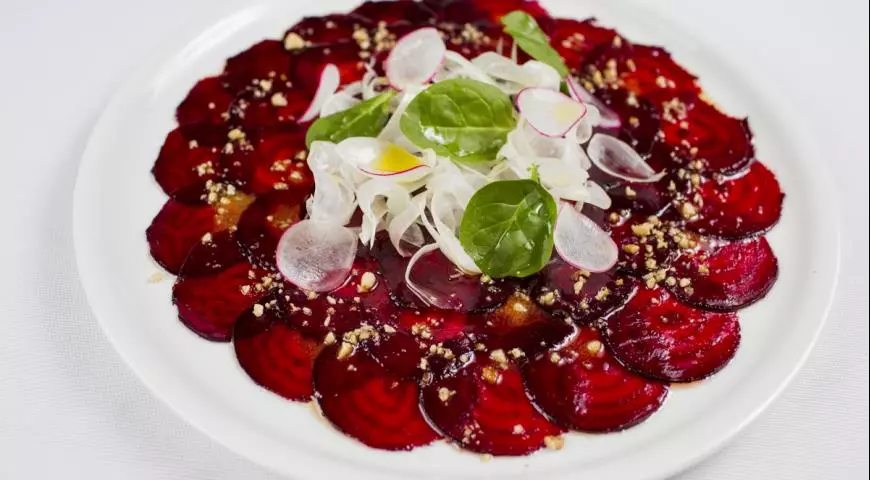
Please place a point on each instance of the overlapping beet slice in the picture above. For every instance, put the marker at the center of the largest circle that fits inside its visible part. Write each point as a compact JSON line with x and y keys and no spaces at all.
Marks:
{"x":213,"y":253}
{"x":582,"y":387}
{"x":521,"y":326}
{"x":578,"y":295}
{"x":188,"y":159}
{"x":274,"y":355}
{"x":176,"y":229}
{"x":349,"y":57}
{"x":484,"y":408}
{"x":741,"y":207}
{"x":575,"y":39}
{"x":207,"y":102}
{"x":646,"y":244}
{"x":328,"y":29}
{"x":493,"y":10}
{"x":395,"y":12}
{"x":265,"y":61}
{"x":726,"y":277}
{"x":367,"y":402}
{"x":646,"y":71}
{"x":661,"y":338}
{"x":273,"y":103}
{"x":210,"y":305}
{"x":263,"y":223}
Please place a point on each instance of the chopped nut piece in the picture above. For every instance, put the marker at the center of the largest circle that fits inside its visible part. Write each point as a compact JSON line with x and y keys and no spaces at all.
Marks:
{"x":650,"y":263}
{"x":631,"y":248}
{"x":602,"y":294}
{"x":293,"y":41}
{"x":156,"y":277}
{"x":491,"y":375}
{"x":258,"y":310}
{"x":445,"y":393}
{"x":515,"y":353}
{"x":329,"y":339}
{"x":688,"y":211}
{"x":547,"y":299}
{"x":629,"y":192}
{"x":389,"y":329}
{"x":671,"y":281}
{"x":642,"y":230}
{"x":498,"y":356}
{"x":594,"y":347}
{"x":344,"y":351}
{"x":553,"y":442}
{"x":279,"y":100}
{"x":703,"y":268}
{"x":685,"y":282}
{"x":367,"y":282}
{"x":578,"y":285}
{"x":207,"y":238}
{"x":519,"y":430}
{"x":555,"y":357}
{"x":235,"y":134}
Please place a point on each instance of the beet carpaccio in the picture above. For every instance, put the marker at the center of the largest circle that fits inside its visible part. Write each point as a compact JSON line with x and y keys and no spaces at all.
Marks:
{"x":517,"y":363}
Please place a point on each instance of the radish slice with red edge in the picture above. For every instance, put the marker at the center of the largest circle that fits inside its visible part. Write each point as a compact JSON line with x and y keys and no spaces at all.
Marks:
{"x":428,"y":297}
{"x":415,"y":59}
{"x":316,"y":255}
{"x":617,"y":159}
{"x":582,"y":243}
{"x":553,"y":114}
{"x":330,"y":80}
{"x":607,"y":118}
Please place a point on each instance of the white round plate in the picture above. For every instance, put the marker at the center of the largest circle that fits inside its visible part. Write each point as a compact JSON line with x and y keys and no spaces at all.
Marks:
{"x":116,"y":198}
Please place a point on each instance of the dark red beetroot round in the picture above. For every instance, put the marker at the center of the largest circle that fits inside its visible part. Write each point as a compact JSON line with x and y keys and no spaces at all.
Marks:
{"x":206,"y":102}
{"x":215,"y":253}
{"x":279,"y":163}
{"x":266,"y":60}
{"x":580,"y":296}
{"x":329,"y":28}
{"x":741,"y":207}
{"x":309,"y":63}
{"x":272,"y":354}
{"x":645,"y":245}
{"x":472,"y":39}
{"x":521,"y":324}
{"x":575,"y":39}
{"x":492,"y":10}
{"x":185,"y":164}
{"x":176,"y":230}
{"x":433,"y":326}
{"x":279,"y":105}
{"x":263,"y":223}
{"x":395,"y":12}
{"x":582,"y":387}
{"x":722,"y":144}
{"x":645,"y":71}
{"x":367,"y":402}
{"x":397,"y":351}
{"x":211,"y":305}
{"x":640,"y":119}
{"x":484,"y":408}
{"x":658,"y":337}
{"x":727,"y":277}
{"x":650,"y":198}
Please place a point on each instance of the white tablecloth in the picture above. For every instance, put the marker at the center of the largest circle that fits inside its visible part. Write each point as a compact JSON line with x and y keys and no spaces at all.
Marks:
{"x":70,"y":409}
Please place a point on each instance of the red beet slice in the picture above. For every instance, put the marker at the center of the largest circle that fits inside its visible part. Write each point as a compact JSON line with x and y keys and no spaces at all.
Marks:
{"x":278,"y":163}
{"x":642,"y":198}
{"x":484,"y":408}
{"x":308,"y":64}
{"x":215,"y":253}
{"x":575,"y":40}
{"x":368,"y":403}
{"x":643,"y":70}
{"x":263,"y":223}
{"x":398,"y":352}
{"x":433,"y":326}
{"x":266,"y":60}
{"x":210,"y":305}
{"x":492,"y":10}
{"x":176,"y":230}
{"x":273,"y":355}
{"x":584,"y":298}
{"x":645,"y":245}
{"x":720,"y":143}
{"x":741,"y":207}
{"x":660,"y":338}
{"x":726,"y":277}
{"x":394,"y":12}
{"x":206,"y":102}
{"x":329,"y":28}
{"x":521,"y":324}
{"x":640,"y":119}
{"x":187,"y":161}
{"x":582,"y":387}
{"x":272,"y":104}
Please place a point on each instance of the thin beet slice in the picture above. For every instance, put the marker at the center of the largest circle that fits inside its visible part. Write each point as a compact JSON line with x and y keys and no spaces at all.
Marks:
{"x":395,"y":12}
{"x":521,"y":328}
{"x":575,"y":40}
{"x":175,"y":230}
{"x":349,"y":57}
{"x":484,"y":409}
{"x":368,"y":403}
{"x":582,"y":387}
{"x":277,"y":163}
{"x":643,"y":70}
{"x":265,"y":61}
{"x":727,"y":277}
{"x":649,"y":198}
{"x":646,"y":245}
{"x":433,"y":326}
{"x":207,"y":102}
{"x":214,"y":253}
{"x":328,"y":29}
{"x":492,"y":10}
{"x":660,"y":338}
{"x":581,"y":296}
{"x":273,"y":103}
{"x":210,"y":306}
{"x":740,"y":207}
{"x":714,"y":142}
{"x":640,"y":119}
{"x":398,"y":352}
{"x":273,"y":355}
{"x":263,"y":223}
{"x":185,"y":164}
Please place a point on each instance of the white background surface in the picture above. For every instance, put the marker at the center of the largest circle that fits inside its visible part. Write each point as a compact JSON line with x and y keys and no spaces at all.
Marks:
{"x":70,"y":409}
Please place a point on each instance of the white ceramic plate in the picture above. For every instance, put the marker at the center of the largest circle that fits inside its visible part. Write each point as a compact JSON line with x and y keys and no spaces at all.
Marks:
{"x":116,"y":198}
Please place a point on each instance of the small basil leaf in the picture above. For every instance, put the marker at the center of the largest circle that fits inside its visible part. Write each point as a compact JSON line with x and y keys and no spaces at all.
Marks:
{"x":529,"y":36}
{"x":366,"y":119}
{"x":507,"y":228}
{"x":463,"y":119}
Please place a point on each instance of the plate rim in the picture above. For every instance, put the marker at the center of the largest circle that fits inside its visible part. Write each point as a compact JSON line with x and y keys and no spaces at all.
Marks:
{"x":188,"y":408}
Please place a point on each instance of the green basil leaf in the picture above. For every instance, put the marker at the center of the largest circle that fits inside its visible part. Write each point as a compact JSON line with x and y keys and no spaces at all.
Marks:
{"x":507,"y":228}
{"x":529,"y":36}
{"x":463,"y":119}
{"x":365,"y":119}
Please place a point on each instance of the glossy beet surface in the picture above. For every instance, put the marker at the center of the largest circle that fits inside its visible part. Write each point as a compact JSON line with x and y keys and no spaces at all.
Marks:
{"x":512,"y":364}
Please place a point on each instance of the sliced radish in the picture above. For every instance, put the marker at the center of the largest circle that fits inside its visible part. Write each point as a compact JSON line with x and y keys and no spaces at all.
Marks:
{"x":403,"y":227}
{"x":582,"y":243}
{"x":618,"y":159}
{"x":607,"y":118}
{"x":415,"y":59}
{"x":551,"y":113}
{"x":334,"y":199}
{"x":330,"y":80}
{"x":379,"y":158}
{"x":531,"y":74}
{"x":428,"y":297}
{"x":316,"y":255}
